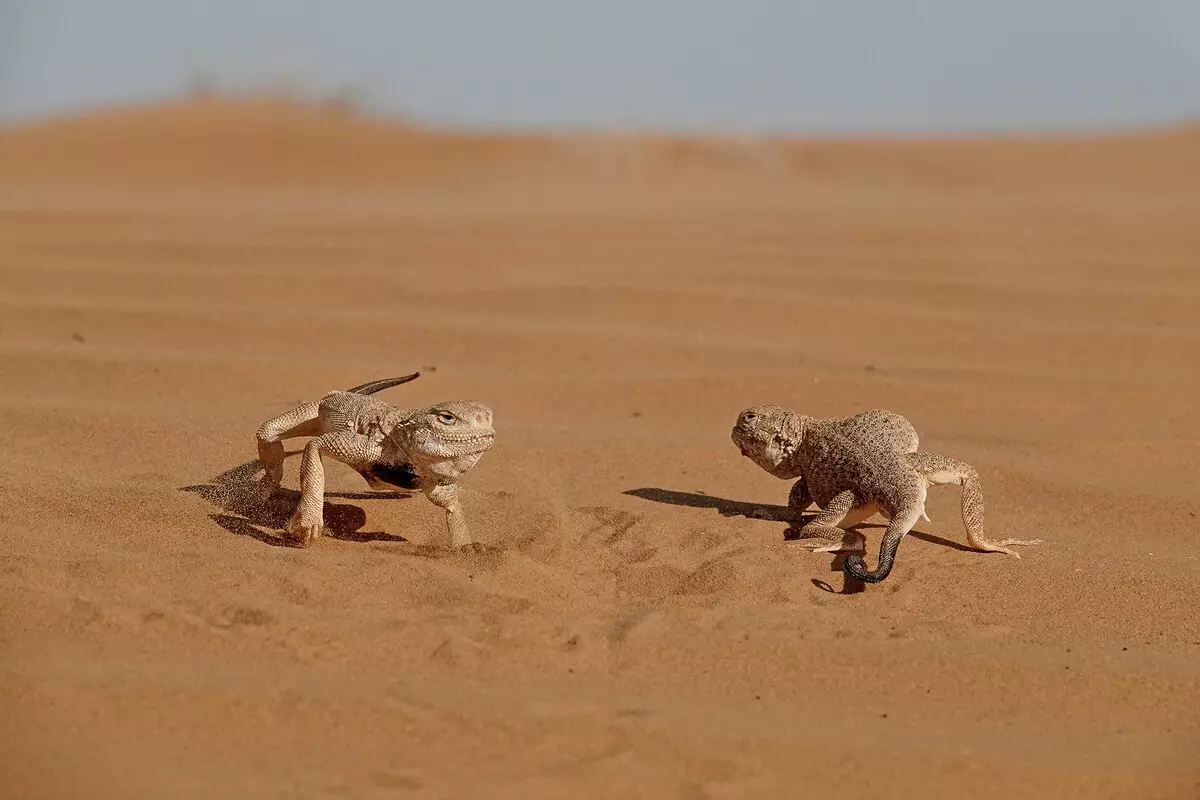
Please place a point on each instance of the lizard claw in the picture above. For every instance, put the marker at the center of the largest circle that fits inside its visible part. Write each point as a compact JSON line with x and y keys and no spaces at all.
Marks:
{"x":1020,"y":543}
{"x":1001,"y":546}
{"x":813,"y":545}
{"x":300,"y":533}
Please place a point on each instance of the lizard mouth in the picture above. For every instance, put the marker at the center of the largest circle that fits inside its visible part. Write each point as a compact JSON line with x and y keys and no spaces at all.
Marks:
{"x":463,"y":437}
{"x":472,"y":443}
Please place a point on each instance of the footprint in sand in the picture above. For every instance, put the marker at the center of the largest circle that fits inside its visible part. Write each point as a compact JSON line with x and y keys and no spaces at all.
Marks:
{"x":652,"y":581}
{"x":710,"y":578}
{"x":458,"y":651}
{"x":237,"y":616}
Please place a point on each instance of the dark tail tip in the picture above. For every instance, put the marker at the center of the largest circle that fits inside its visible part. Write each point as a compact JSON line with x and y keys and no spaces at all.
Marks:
{"x":385,"y":383}
{"x":856,"y":567}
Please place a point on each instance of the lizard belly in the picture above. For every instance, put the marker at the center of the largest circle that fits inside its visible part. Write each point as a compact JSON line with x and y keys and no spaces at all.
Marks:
{"x":859,"y":514}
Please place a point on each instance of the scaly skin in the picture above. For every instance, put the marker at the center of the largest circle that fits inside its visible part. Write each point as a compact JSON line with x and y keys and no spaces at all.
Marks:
{"x":853,"y":468}
{"x":426,"y":448}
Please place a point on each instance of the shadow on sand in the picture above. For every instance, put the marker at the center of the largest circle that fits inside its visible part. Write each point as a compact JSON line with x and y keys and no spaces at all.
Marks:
{"x":247,"y":513}
{"x":737,"y":508}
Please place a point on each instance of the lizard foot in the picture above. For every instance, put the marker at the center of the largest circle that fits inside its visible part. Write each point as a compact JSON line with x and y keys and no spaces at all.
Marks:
{"x":767,"y":514}
{"x":476,"y":548}
{"x":301,"y":534}
{"x":853,"y":543}
{"x":999,"y":547}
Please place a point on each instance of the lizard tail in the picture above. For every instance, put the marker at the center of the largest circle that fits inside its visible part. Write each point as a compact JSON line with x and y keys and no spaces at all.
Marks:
{"x":385,"y":383}
{"x":856,"y":565}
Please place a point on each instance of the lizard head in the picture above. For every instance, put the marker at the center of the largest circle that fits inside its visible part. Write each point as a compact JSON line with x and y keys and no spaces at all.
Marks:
{"x":449,"y":437}
{"x":768,"y":435}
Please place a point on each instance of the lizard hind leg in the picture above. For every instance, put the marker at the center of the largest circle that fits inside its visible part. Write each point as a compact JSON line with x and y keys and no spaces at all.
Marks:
{"x":300,"y":421}
{"x":938,"y":470}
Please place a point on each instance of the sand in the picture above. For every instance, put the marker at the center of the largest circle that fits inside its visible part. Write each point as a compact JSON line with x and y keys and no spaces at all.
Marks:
{"x":173,"y":275}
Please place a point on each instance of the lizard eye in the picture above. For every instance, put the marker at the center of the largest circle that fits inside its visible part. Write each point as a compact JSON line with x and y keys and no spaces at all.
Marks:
{"x":446,"y":418}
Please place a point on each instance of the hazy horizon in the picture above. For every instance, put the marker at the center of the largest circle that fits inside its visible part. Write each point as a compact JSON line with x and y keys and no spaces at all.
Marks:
{"x":757,"y":66}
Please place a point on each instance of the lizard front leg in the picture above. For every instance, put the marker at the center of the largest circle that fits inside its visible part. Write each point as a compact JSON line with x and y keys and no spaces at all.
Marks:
{"x":799,"y":497}
{"x":824,"y":534}
{"x":445,"y":496}
{"x":799,"y":500}
{"x":346,"y":446}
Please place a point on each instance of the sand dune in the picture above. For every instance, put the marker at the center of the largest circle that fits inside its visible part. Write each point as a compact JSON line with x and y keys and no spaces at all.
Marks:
{"x":171,"y":276}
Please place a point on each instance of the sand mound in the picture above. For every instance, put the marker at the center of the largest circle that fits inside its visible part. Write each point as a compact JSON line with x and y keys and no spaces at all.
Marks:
{"x":252,"y":143}
{"x":262,"y":143}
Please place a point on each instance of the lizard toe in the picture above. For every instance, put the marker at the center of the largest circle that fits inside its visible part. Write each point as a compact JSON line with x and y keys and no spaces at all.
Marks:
{"x":300,"y":533}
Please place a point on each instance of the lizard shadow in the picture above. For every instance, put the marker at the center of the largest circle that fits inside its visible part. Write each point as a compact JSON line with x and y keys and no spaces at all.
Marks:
{"x":247,"y":513}
{"x":737,"y":508}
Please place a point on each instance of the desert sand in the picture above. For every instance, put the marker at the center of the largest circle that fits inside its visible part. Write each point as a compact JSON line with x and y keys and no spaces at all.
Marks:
{"x":173,"y":275}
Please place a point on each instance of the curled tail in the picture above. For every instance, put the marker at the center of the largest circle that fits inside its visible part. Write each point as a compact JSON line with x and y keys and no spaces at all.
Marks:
{"x":902,"y":521}
{"x":856,"y":565}
{"x":384,"y":383}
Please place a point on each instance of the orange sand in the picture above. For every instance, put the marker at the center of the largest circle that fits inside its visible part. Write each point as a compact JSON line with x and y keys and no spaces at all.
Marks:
{"x":172,"y":276}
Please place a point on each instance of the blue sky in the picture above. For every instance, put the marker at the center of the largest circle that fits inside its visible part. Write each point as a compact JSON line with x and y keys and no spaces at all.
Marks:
{"x":754,"y":65}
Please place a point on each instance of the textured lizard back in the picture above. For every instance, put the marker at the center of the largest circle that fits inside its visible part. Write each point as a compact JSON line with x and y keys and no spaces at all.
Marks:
{"x":881,"y":429}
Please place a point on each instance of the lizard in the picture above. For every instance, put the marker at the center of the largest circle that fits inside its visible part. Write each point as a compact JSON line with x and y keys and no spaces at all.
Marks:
{"x":854,"y":467}
{"x":426,"y":449}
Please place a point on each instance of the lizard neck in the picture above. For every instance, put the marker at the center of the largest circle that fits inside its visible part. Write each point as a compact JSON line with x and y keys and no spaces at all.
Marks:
{"x":791,"y":440}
